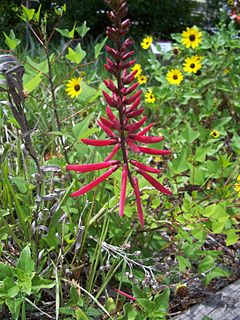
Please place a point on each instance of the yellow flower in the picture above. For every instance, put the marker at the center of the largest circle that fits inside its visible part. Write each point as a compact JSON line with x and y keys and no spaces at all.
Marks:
{"x":149,"y":96}
{"x":174,"y":76}
{"x":73,"y":87}
{"x":138,"y":68}
{"x":237,"y":185}
{"x":192,"y":37}
{"x":142,"y":79}
{"x":215,"y":134}
{"x":146,"y":42}
{"x":226,"y":71}
{"x":230,"y":2}
{"x":192,"y":64}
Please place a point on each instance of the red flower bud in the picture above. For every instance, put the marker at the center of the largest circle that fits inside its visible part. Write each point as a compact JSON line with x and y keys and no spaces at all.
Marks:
{"x":154,"y":182}
{"x":138,"y":201}
{"x":126,"y":91}
{"x":112,"y":52}
{"x":125,"y":24}
{"x":135,"y":126}
{"x":113,"y":152}
{"x":107,"y":130}
{"x":94,"y":183}
{"x":133,"y":97}
{"x":144,"y":167}
{"x":126,"y":44}
{"x":135,"y":113}
{"x":110,"y":100}
{"x":110,"y":85}
{"x":134,"y":105}
{"x":145,"y":139}
{"x":128,"y":64}
{"x":145,"y":130}
{"x":91,"y":167}
{"x":123,"y":189}
{"x":99,"y":143}
{"x":110,"y":114}
{"x":146,"y":150}
{"x":126,"y":55}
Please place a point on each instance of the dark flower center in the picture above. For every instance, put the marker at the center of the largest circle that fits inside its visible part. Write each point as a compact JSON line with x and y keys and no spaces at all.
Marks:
{"x":214,"y":134}
{"x":198,"y":73}
{"x":175,"y":51}
{"x":192,"y":65}
{"x":77,"y":87}
{"x":192,"y":37}
{"x":175,"y":77}
{"x":151,"y":96}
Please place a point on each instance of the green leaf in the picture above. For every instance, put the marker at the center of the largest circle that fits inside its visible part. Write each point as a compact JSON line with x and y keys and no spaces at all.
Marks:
{"x":27,"y":13}
{"x":37,"y":14}
{"x":77,"y":55}
{"x":33,"y":83}
{"x":189,"y":134}
{"x":80,"y":315}
{"x":82,"y":126}
{"x":25,"y":262}
{"x":11,"y":41}
{"x":21,"y":184}
{"x":215,"y":211}
{"x":83,"y":29}
{"x":201,"y":153}
{"x":206,"y":264}
{"x":232,"y":237}
{"x":8,"y":288}
{"x":161,"y":301}
{"x":66,"y":33}
{"x":88,"y":94}
{"x":146,"y":304}
{"x":99,"y":46}
{"x":216,"y":273}
{"x":39,"y":283}
{"x":5,"y":271}
{"x":138,"y":293}
{"x":183,"y":263}
{"x":14,"y":306}
{"x":180,"y":163}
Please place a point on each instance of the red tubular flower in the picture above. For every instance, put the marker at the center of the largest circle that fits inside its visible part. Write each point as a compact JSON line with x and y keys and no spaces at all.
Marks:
{"x":123,"y":131}
{"x":99,"y":143}
{"x":123,"y":189}
{"x":138,"y":201}
{"x":144,"y":167}
{"x":154,"y":182}
{"x":94,"y":183}
{"x":92,"y":166}
{"x":125,"y":294}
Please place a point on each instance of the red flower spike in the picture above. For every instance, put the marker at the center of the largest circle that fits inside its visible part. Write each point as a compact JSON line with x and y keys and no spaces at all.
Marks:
{"x":123,"y":133}
{"x":135,"y":113}
{"x":99,"y":143}
{"x":109,"y":99}
{"x":135,"y":126}
{"x":123,"y":189}
{"x":138,"y":201}
{"x":112,"y":153}
{"x":94,"y":183}
{"x":108,"y":131}
{"x":157,"y":185}
{"x":145,"y":130}
{"x":146,"y":139}
{"x":144,"y":167}
{"x":92,"y":166}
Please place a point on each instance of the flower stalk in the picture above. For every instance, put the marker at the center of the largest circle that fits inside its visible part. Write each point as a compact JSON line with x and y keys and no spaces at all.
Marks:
{"x":123,"y":127}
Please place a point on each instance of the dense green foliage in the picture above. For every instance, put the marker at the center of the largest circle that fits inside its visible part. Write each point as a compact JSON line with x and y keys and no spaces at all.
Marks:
{"x":66,"y":256}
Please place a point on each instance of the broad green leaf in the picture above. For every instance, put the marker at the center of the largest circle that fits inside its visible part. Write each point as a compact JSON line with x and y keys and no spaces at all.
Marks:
{"x":215,"y":211}
{"x":39,"y":283}
{"x":25,"y":262}
{"x":33,"y":83}
{"x":189,"y":134}
{"x":27,"y":13}
{"x":8,"y":288}
{"x":25,"y":285}
{"x":99,"y":46}
{"x":82,"y":126}
{"x":5,"y":271}
{"x":180,"y":163}
{"x":197,"y":175}
{"x":146,"y":304}
{"x":201,"y":153}
{"x":88,"y":94}
{"x":206,"y":264}
{"x":21,"y":184}
{"x":138,"y":293}
{"x":11,"y":41}
{"x":161,"y":301}
{"x":37,"y":14}
{"x":14,"y":306}
{"x":183,"y":263}
{"x":80,"y":315}
{"x":232,"y":237}
{"x":66,"y":33}
{"x":83,"y":29}
{"x":77,"y":55}
{"x":216,"y":273}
